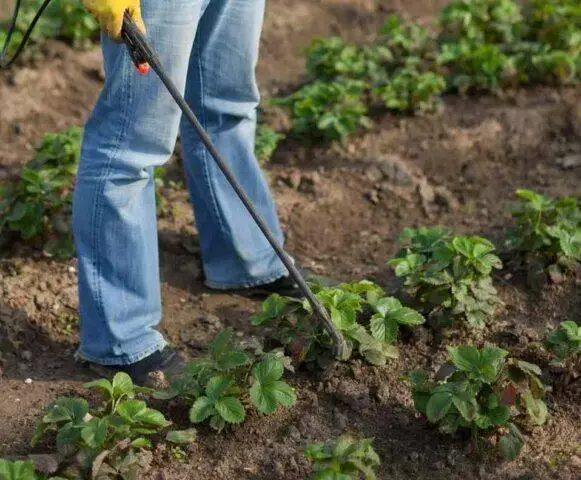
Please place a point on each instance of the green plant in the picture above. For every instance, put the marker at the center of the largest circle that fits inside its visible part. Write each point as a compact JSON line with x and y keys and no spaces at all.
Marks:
{"x":39,"y":204}
{"x":330,"y":58}
{"x":343,"y":459}
{"x":481,"y":21}
{"x":480,"y":390}
{"x":20,"y":470}
{"x":450,"y":275}
{"x":267,"y":139}
{"x":409,"y":89}
{"x":475,"y":65}
{"x":328,"y":110}
{"x":293,"y":324}
{"x":405,"y":39}
{"x":108,"y":437}
{"x":547,"y":228}
{"x":555,"y":23}
{"x":565,"y":341}
{"x":538,"y":63}
{"x":228,"y":377}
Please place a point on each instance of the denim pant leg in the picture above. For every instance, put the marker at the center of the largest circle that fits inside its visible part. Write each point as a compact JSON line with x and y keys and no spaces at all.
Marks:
{"x":222,"y":90}
{"x":132,"y":128}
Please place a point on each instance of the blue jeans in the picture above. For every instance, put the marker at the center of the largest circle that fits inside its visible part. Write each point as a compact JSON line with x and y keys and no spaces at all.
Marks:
{"x":210,"y":50}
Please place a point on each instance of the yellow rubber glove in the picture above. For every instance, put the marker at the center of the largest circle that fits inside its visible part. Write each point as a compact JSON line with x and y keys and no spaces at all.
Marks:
{"x":109,"y":14}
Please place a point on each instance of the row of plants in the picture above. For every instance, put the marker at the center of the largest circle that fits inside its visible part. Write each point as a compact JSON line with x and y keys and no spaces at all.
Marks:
{"x":481,"y":46}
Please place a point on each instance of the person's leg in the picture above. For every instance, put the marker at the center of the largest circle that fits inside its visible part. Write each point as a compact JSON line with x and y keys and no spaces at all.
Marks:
{"x":222,"y":90}
{"x":132,"y":128}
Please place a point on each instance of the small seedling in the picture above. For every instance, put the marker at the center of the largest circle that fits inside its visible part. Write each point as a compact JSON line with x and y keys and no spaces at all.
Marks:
{"x":220,"y":384}
{"x":410,"y":90}
{"x":329,"y":111}
{"x":549,"y":229}
{"x":292,"y":323}
{"x":120,"y":427}
{"x":480,"y":390}
{"x":449,"y":275}
{"x":344,"y":458}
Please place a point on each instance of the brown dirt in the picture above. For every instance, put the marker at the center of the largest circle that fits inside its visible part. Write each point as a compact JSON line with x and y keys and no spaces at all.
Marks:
{"x":459,"y":170}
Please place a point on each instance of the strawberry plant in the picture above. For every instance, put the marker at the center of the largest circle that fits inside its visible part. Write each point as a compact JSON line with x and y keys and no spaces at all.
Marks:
{"x":39,"y":204}
{"x":565,"y":341}
{"x":475,"y":66}
{"x":547,"y":228}
{"x":409,"y":89}
{"x":266,"y":142}
{"x":449,"y":275}
{"x":107,"y":439}
{"x":405,"y":39}
{"x":293,"y":324}
{"x":481,"y":21}
{"x":344,"y":458}
{"x":555,"y":23}
{"x":329,"y":111}
{"x":220,"y":384}
{"x":537,"y":63}
{"x":330,"y":58}
{"x":482,"y":391}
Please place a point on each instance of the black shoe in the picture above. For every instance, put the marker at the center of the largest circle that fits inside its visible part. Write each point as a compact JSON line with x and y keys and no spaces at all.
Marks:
{"x":153,"y":371}
{"x":285,"y":286}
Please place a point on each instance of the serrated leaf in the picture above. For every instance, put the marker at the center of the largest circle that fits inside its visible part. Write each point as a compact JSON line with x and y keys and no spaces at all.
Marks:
{"x":95,"y":432}
{"x":408,"y":316}
{"x":182,"y":437}
{"x":218,"y":386}
{"x":230,"y":409}
{"x":16,"y":470}
{"x":267,"y":397}
{"x":536,"y":408}
{"x":202,"y":408}
{"x":141,"y":443}
{"x":384,"y":328}
{"x":67,"y":438}
{"x":438,"y":406}
{"x":510,"y":446}
{"x":233,"y":359}
{"x":222,"y":343}
{"x":387,"y":305}
{"x":101,"y":384}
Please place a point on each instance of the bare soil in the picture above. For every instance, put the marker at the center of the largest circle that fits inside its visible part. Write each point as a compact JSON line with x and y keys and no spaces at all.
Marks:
{"x":342,"y":208}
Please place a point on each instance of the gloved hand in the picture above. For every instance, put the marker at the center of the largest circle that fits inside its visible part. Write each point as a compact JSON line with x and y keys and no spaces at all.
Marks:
{"x":109,"y":14}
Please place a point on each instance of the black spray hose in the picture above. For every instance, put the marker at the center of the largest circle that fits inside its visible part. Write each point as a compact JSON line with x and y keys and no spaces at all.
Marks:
{"x":143,"y":55}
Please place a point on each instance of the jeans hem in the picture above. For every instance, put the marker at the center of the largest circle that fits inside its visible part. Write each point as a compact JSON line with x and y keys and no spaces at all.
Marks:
{"x":123,"y":359}
{"x":249,"y":283}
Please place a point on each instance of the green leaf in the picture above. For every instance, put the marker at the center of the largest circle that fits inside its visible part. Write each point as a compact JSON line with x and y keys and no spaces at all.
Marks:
{"x":95,"y":432}
{"x":202,"y":408}
{"x":67,"y":409}
{"x":233,"y":359}
{"x":267,"y":397}
{"x":408,"y":316}
{"x":222,"y":343}
{"x":387,"y":305}
{"x":230,"y":409}
{"x":101,"y":384}
{"x":529,"y":368}
{"x":438,"y":406}
{"x":122,"y":385}
{"x":510,"y":446}
{"x":182,"y":437}
{"x":218,"y":386}
{"x":67,"y":438}
{"x":466,"y":406}
{"x":130,"y":410}
{"x":16,"y":470}
{"x":384,"y":328}
{"x":141,"y":443}
{"x":466,"y":358}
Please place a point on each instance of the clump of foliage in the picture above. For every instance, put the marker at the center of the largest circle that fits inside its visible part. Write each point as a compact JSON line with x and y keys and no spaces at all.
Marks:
{"x":329,"y":59}
{"x":536,"y":63}
{"x":63,"y":19}
{"x":328,"y":111}
{"x":565,"y":341}
{"x":555,"y":23}
{"x":39,"y":205}
{"x":409,"y":89}
{"x":481,"y":21}
{"x":108,"y":439}
{"x":406,"y":40}
{"x":220,"y":384}
{"x":475,"y":66}
{"x":547,"y":228}
{"x":266,"y":141}
{"x":449,"y":275}
{"x":483,"y":391}
{"x":343,"y":458}
{"x":293,"y":324}
{"x":20,"y":470}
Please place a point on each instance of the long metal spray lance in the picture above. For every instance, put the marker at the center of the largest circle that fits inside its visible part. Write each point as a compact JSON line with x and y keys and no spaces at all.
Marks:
{"x":144,"y":57}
